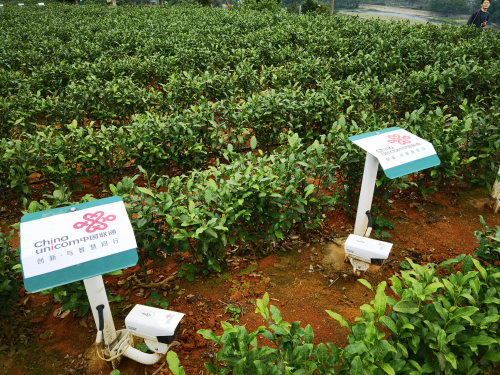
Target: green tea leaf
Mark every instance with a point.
(367, 284)
(253, 142)
(338, 318)
(387, 368)
(356, 366)
(406, 307)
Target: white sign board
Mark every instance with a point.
(41, 4)
(396, 148)
(56, 242)
(20, 4)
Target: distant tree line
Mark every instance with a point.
(307, 6)
(317, 6)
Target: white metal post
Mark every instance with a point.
(495, 194)
(97, 296)
(366, 194)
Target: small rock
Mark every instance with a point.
(211, 323)
(64, 314)
(141, 293)
(175, 344)
(57, 312)
(11, 354)
(190, 313)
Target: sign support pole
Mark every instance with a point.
(366, 194)
(97, 296)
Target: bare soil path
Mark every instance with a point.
(412, 12)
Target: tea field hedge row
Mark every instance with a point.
(161, 86)
(438, 324)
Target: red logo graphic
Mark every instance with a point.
(92, 222)
(404, 140)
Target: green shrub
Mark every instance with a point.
(440, 325)
(309, 6)
(72, 296)
(292, 348)
(489, 243)
(10, 273)
(262, 5)
(253, 198)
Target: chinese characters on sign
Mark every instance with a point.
(80, 249)
(396, 148)
(56, 242)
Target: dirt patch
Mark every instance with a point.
(268, 262)
(334, 256)
(481, 203)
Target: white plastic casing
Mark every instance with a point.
(154, 324)
(367, 248)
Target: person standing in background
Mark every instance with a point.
(480, 18)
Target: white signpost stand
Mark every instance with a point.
(399, 152)
(83, 242)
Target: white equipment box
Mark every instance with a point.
(367, 248)
(154, 324)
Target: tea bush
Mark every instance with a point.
(250, 198)
(173, 86)
(10, 273)
(489, 243)
(440, 325)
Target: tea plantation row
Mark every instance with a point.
(164, 87)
